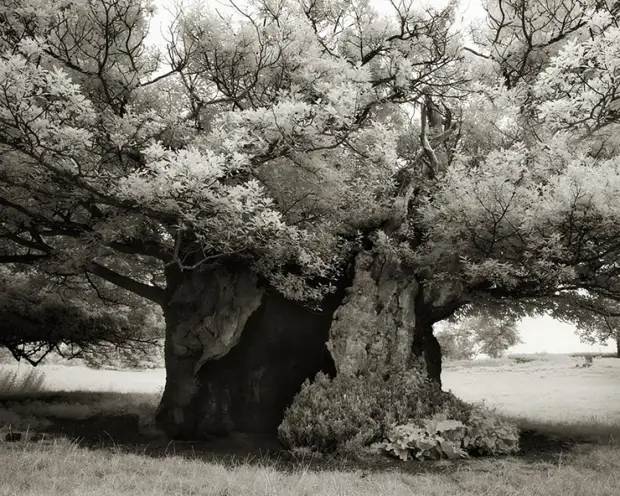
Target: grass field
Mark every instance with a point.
(109, 447)
(550, 388)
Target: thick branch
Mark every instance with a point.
(426, 146)
(145, 290)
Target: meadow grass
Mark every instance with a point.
(551, 388)
(63, 468)
(58, 466)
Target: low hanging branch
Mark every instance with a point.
(153, 293)
(34, 324)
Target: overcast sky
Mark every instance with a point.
(469, 9)
(540, 334)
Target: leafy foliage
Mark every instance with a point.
(280, 137)
(130, 356)
(597, 318)
(187, 168)
(35, 322)
(480, 433)
(437, 438)
(348, 413)
(489, 434)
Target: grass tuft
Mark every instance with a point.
(16, 383)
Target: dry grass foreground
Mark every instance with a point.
(108, 447)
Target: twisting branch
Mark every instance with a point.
(426, 146)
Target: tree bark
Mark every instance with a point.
(205, 314)
(236, 355)
(384, 321)
(373, 326)
(618, 344)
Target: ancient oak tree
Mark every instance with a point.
(308, 185)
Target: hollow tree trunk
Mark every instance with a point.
(383, 321)
(235, 354)
(426, 347)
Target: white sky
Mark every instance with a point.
(469, 9)
(545, 334)
(542, 334)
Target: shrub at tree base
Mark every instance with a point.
(400, 413)
(437, 438)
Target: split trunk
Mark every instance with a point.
(237, 354)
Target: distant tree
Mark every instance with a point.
(39, 317)
(601, 330)
(478, 334)
(597, 318)
(456, 343)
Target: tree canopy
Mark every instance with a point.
(295, 133)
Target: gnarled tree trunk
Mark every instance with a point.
(235, 354)
(373, 328)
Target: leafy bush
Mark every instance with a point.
(442, 438)
(346, 414)
(12, 382)
(328, 415)
(402, 413)
(437, 438)
(489, 434)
